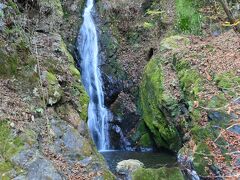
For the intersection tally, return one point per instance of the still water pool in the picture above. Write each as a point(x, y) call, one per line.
point(149, 159)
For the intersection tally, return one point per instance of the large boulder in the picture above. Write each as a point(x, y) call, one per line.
point(159, 107)
point(128, 166)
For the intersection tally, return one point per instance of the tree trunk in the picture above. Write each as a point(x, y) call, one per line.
point(229, 14)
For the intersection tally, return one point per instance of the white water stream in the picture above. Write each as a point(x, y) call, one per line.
point(98, 115)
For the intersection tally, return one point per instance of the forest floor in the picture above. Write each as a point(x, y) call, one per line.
point(212, 57)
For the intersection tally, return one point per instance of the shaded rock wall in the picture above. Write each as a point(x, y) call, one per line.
point(129, 36)
point(197, 99)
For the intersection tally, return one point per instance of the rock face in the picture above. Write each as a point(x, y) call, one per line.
point(129, 37)
point(43, 108)
point(191, 100)
point(159, 107)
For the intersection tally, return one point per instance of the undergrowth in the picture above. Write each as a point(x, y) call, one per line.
point(188, 18)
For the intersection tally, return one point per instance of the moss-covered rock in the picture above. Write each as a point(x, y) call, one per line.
point(9, 64)
point(107, 175)
point(158, 106)
point(10, 146)
point(55, 92)
point(202, 159)
point(173, 42)
point(74, 71)
point(142, 136)
point(146, 141)
point(155, 174)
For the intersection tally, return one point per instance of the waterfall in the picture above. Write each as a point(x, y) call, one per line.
point(87, 45)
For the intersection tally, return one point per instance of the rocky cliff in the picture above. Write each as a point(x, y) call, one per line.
point(43, 108)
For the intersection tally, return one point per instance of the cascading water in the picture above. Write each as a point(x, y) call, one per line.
point(98, 115)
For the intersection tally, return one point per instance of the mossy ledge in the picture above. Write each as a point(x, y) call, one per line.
point(157, 106)
point(161, 173)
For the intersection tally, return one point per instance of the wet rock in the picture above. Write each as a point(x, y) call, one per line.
point(112, 88)
point(128, 166)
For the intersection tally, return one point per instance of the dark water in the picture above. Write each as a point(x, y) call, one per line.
point(149, 159)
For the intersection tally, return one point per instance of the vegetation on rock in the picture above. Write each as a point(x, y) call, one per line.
point(161, 173)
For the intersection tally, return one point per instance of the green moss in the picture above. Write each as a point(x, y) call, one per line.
point(199, 159)
point(54, 89)
point(173, 42)
point(29, 137)
point(188, 19)
point(8, 63)
point(12, 4)
point(87, 148)
point(191, 81)
point(146, 141)
point(66, 52)
point(229, 82)
point(78, 90)
point(55, 4)
point(182, 65)
point(155, 174)
point(74, 71)
point(107, 175)
point(51, 78)
point(148, 25)
point(10, 146)
point(156, 106)
point(195, 115)
point(217, 101)
point(51, 66)
point(140, 131)
point(201, 134)
point(5, 167)
point(84, 100)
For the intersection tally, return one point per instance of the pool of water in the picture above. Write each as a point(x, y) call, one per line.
point(149, 159)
